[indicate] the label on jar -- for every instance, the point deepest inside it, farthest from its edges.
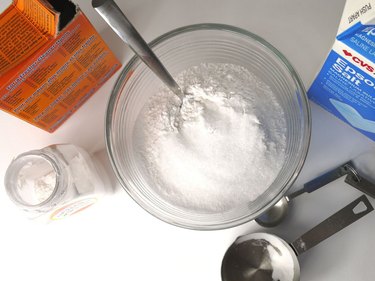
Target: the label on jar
(72, 208)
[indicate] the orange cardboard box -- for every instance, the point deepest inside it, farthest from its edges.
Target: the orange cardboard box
(51, 61)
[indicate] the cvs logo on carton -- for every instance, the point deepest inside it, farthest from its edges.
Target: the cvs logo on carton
(359, 61)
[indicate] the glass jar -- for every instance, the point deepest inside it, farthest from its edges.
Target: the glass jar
(55, 182)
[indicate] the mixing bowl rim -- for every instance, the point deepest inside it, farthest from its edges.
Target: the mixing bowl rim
(305, 109)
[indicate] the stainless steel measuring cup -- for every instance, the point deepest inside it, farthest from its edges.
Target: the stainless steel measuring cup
(267, 257)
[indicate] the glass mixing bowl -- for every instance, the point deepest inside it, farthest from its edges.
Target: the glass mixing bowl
(178, 50)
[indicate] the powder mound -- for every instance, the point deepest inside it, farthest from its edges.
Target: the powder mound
(223, 147)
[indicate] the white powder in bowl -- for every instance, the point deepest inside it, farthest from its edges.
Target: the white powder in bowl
(223, 147)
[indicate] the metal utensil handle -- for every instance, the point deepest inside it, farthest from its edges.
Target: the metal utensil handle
(116, 19)
(362, 184)
(332, 225)
(324, 179)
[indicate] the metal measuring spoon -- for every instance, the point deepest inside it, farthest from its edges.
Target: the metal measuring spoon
(266, 257)
(276, 214)
(116, 19)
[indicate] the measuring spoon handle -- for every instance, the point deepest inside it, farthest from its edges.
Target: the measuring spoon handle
(338, 221)
(323, 180)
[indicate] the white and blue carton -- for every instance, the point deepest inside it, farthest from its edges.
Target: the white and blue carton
(345, 85)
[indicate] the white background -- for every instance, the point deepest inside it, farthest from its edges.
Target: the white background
(117, 240)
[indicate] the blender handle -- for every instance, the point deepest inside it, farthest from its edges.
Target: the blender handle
(338, 221)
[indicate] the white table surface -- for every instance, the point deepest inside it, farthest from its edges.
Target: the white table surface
(117, 240)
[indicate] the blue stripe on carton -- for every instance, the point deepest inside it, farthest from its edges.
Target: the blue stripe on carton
(360, 38)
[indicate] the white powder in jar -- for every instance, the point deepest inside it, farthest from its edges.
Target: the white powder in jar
(36, 181)
(223, 147)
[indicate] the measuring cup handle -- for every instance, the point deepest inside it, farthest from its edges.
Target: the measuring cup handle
(338, 221)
